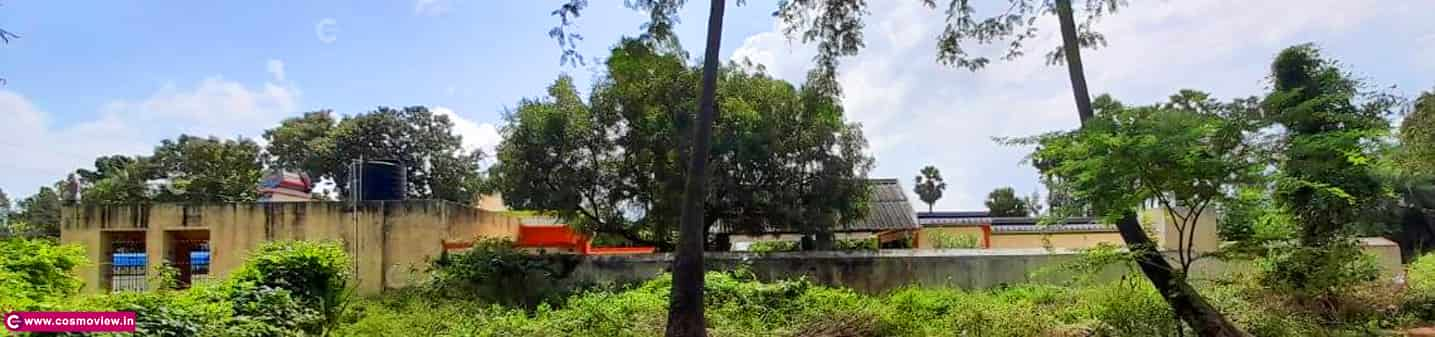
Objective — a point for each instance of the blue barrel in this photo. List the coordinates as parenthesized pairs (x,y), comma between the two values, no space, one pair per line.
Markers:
(128,260)
(199,258)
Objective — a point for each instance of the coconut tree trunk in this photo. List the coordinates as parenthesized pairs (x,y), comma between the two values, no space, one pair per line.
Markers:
(1183,299)
(685,307)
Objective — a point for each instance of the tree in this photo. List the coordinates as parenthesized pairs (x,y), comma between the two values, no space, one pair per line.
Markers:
(837,28)
(208,169)
(42,211)
(929,186)
(783,157)
(436,166)
(1186,153)
(4,207)
(184,169)
(1004,202)
(1417,134)
(1326,177)
(304,144)
(1033,203)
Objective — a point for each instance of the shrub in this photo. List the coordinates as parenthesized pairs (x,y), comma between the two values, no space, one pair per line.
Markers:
(1420,274)
(1315,272)
(773,246)
(311,275)
(36,271)
(494,270)
(868,244)
(942,240)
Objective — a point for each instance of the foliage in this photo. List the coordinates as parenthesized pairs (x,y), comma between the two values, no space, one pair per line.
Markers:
(615,164)
(437,166)
(35,271)
(208,169)
(836,27)
(1184,152)
(192,169)
(1319,272)
(42,211)
(1420,274)
(929,186)
(1325,173)
(1417,134)
(771,246)
(312,274)
(944,240)
(1004,202)
(868,244)
(495,271)
(164,277)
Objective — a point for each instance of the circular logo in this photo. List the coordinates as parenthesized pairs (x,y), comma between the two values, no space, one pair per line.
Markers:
(12,321)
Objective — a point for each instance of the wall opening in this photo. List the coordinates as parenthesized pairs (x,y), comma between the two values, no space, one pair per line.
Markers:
(189,254)
(123,268)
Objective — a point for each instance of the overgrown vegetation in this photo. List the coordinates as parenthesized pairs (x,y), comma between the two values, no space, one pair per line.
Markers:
(494,270)
(302,289)
(943,240)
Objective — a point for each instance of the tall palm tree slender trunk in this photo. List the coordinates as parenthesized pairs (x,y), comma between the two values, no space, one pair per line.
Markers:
(685,307)
(1183,299)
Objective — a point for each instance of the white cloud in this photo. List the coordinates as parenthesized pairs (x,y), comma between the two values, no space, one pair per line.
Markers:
(276,69)
(327,30)
(916,112)
(215,106)
(431,7)
(475,135)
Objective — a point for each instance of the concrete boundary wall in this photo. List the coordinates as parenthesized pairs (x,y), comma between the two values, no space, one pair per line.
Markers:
(876,272)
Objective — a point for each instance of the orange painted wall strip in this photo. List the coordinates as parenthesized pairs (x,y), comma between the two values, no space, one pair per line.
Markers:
(986,236)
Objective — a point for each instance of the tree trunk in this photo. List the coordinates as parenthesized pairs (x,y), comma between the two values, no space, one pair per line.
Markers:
(1183,299)
(685,307)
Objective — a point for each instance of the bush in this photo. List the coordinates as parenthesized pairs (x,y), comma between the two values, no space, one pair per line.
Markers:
(283,279)
(942,240)
(773,246)
(1316,272)
(1420,274)
(36,271)
(868,244)
(494,270)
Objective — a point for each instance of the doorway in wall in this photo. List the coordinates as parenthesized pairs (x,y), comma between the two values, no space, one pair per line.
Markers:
(124,266)
(189,254)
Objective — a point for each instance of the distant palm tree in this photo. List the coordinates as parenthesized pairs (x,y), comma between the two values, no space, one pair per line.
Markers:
(930,186)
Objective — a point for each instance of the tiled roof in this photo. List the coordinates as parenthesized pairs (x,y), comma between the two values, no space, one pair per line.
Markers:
(889,209)
(954,221)
(1053,228)
(953,214)
(1033,221)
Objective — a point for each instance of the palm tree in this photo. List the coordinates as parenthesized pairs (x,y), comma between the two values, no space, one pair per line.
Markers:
(929,186)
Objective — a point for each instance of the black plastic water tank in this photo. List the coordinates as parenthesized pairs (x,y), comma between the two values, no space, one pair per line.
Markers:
(383,180)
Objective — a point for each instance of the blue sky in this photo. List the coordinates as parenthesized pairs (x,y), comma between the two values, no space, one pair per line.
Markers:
(116,77)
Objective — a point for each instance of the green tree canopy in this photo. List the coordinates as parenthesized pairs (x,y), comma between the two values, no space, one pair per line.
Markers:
(42,212)
(1417,134)
(929,186)
(208,169)
(1003,201)
(437,166)
(1326,175)
(780,156)
(185,169)
(1180,153)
